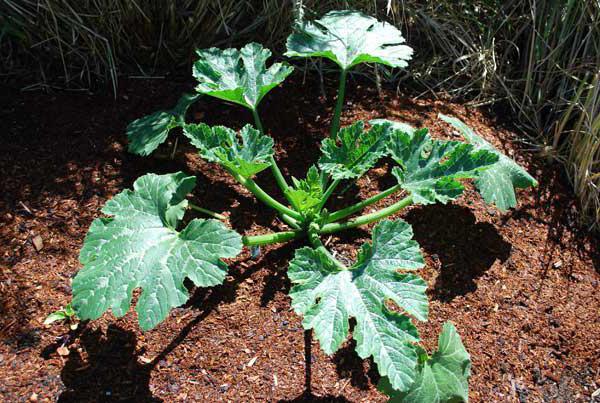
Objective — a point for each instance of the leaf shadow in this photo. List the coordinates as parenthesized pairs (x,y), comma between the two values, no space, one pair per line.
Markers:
(554,197)
(308,394)
(217,191)
(250,212)
(111,371)
(276,281)
(310,397)
(350,365)
(463,248)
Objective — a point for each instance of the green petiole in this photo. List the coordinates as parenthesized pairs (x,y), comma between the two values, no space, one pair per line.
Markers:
(264,196)
(206,211)
(328,193)
(345,212)
(335,121)
(275,237)
(274,167)
(290,221)
(313,237)
(367,218)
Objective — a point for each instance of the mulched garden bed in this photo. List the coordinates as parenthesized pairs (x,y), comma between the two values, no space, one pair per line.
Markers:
(522,287)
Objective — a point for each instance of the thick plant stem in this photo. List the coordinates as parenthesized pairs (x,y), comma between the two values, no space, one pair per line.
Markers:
(345,212)
(274,167)
(290,221)
(264,197)
(367,218)
(335,121)
(275,237)
(206,211)
(328,193)
(315,241)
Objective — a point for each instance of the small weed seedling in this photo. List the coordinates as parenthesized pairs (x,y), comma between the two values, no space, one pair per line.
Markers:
(64,314)
(140,242)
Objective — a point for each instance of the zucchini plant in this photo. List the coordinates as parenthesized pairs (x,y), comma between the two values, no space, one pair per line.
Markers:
(141,242)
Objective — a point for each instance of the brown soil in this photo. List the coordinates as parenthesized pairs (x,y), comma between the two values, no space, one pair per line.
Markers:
(521,287)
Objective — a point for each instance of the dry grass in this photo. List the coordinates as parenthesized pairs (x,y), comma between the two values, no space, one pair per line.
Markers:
(541,57)
(83,42)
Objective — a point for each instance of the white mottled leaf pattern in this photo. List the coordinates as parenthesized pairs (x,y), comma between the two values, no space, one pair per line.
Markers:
(139,246)
(394,125)
(431,169)
(497,184)
(328,297)
(238,76)
(441,378)
(349,38)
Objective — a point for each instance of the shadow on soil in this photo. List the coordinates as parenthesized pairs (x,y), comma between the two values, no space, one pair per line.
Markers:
(111,371)
(462,248)
(74,148)
(308,395)
(555,199)
(350,365)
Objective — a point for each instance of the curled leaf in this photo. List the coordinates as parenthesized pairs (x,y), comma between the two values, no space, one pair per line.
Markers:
(147,133)
(497,184)
(441,378)
(431,169)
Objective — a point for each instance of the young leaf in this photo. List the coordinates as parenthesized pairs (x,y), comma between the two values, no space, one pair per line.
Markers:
(64,313)
(430,169)
(221,144)
(306,194)
(139,246)
(238,76)
(394,125)
(358,150)
(55,316)
(327,297)
(147,133)
(498,183)
(349,38)
(440,379)
(69,311)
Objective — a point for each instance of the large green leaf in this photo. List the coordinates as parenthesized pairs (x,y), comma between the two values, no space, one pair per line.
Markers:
(327,297)
(349,38)
(394,125)
(238,76)
(139,246)
(147,133)
(498,183)
(431,169)
(221,144)
(306,194)
(442,378)
(357,151)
